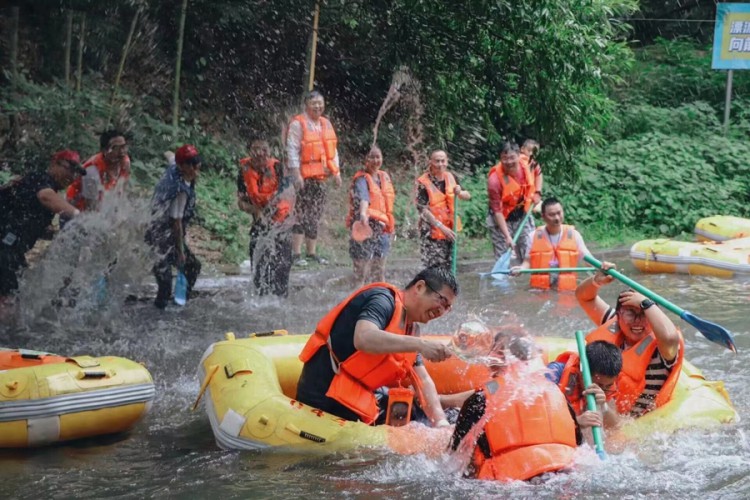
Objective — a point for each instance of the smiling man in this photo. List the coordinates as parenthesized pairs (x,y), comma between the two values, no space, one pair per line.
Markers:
(369,341)
(652,346)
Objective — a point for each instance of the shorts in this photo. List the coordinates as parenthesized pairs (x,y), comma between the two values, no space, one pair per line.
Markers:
(500,245)
(377,247)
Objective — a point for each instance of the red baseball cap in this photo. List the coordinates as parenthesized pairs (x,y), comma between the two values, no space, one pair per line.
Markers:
(187,153)
(70,156)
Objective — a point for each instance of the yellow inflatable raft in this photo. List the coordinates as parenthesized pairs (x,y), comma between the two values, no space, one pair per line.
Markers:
(46,399)
(722,228)
(249,386)
(724,259)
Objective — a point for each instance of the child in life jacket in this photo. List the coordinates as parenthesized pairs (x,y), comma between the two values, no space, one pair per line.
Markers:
(605,363)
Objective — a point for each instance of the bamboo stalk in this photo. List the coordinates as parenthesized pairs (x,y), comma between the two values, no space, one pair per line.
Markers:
(81,42)
(178,71)
(314,46)
(124,56)
(68,43)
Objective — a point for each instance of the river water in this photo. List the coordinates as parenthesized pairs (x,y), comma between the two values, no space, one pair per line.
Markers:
(171,453)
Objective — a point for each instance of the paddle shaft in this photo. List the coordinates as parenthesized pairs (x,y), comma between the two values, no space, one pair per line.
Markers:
(636,286)
(590,399)
(454,251)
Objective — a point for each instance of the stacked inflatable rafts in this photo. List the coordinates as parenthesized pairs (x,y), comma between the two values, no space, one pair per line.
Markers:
(723,250)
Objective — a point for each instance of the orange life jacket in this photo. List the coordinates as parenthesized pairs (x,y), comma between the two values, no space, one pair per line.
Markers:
(381,200)
(262,188)
(361,373)
(441,204)
(542,253)
(526,438)
(74,193)
(635,361)
(514,193)
(317,149)
(571,381)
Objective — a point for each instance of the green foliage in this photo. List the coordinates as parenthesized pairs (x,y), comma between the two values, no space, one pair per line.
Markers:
(218,213)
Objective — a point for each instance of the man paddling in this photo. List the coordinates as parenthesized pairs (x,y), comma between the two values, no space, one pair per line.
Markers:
(554,245)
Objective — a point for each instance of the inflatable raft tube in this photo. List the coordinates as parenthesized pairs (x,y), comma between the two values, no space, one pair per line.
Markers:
(724,259)
(722,228)
(249,386)
(47,399)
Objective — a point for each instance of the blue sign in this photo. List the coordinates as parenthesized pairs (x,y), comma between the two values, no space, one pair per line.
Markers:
(732,36)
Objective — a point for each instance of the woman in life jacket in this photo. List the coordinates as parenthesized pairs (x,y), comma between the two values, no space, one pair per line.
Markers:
(652,346)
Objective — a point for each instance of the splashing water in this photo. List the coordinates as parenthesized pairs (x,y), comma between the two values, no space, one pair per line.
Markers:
(91,267)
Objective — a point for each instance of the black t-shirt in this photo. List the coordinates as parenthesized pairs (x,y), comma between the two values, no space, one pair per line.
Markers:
(23,218)
(376,305)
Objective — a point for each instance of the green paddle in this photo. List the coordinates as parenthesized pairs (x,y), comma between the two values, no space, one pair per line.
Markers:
(713,332)
(549,270)
(503,263)
(454,251)
(590,399)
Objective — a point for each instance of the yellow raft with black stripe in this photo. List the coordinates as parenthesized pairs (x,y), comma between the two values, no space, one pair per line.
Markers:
(722,228)
(249,386)
(46,399)
(723,259)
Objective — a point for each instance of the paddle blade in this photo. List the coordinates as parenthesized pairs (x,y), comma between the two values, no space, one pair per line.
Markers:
(713,332)
(180,289)
(503,263)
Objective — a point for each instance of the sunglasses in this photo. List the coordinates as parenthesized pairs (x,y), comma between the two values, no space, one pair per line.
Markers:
(631,315)
(444,302)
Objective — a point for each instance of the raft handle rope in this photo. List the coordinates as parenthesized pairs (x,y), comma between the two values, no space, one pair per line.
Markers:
(305,435)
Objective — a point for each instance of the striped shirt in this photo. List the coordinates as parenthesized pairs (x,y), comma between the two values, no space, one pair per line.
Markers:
(656,375)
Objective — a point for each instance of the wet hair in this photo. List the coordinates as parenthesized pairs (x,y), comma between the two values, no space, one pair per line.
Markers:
(531,144)
(108,135)
(618,305)
(436,278)
(509,147)
(604,358)
(549,202)
(313,94)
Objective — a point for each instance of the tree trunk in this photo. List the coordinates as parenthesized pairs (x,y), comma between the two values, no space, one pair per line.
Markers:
(14,21)
(68,42)
(81,42)
(124,56)
(177,72)
(314,46)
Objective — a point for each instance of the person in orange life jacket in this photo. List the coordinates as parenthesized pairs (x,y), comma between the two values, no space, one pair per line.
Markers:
(369,341)
(172,209)
(312,153)
(652,346)
(605,363)
(27,207)
(435,204)
(107,170)
(529,150)
(554,245)
(507,447)
(510,189)
(371,200)
(265,192)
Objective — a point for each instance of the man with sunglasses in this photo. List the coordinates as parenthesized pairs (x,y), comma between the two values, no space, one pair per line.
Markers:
(27,207)
(652,346)
(108,170)
(605,363)
(369,340)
